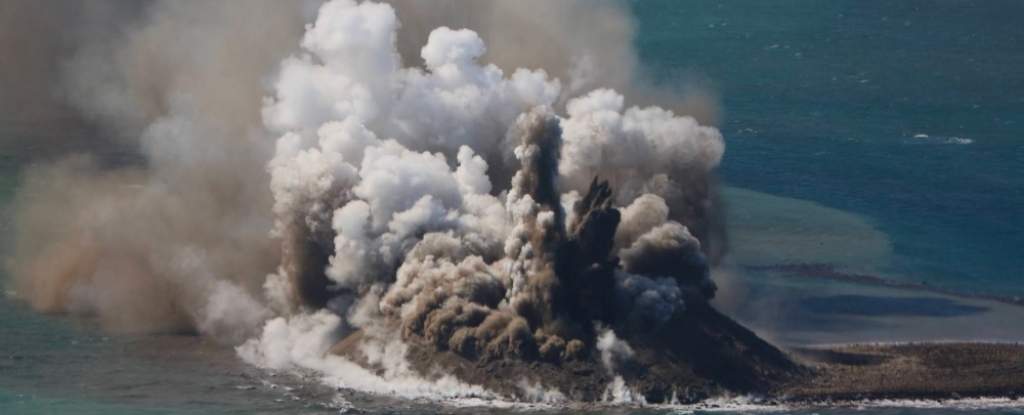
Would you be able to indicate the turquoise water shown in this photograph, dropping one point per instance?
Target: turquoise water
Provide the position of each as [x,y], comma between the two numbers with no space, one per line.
[823,101]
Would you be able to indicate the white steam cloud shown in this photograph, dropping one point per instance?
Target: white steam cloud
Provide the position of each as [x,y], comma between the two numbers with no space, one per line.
[370,200]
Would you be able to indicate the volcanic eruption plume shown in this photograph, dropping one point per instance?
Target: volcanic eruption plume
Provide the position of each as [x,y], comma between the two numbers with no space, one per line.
[423,190]
[390,220]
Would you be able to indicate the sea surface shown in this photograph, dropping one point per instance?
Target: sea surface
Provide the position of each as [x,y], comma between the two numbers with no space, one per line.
[878,137]
[909,113]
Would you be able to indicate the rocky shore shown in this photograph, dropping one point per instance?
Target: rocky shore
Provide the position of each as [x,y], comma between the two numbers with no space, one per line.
[703,355]
[928,371]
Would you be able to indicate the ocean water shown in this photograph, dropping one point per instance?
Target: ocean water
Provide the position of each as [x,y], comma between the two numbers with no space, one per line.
[907,112]
[884,137]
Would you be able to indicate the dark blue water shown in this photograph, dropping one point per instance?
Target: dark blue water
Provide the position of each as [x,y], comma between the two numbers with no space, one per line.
[823,99]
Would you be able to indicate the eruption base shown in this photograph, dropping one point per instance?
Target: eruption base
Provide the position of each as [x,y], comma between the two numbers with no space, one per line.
[699,354]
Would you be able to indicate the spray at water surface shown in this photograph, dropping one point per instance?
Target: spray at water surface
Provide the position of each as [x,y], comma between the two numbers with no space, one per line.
[367,178]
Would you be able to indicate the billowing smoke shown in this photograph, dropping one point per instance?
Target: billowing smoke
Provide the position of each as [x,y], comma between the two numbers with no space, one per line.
[462,177]
[585,43]
[160,222]
[390,217]
[615,352]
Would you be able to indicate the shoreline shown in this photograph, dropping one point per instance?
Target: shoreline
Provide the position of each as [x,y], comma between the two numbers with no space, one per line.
[706,359]
[829,346]
[963,394]
[975,388]
[930,371]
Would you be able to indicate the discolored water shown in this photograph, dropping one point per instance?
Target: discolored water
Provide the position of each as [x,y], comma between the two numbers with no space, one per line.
[885,137]
[907,112]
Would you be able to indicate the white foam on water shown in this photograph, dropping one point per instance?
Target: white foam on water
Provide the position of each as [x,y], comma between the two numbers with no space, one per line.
[960,141]
[958,404]
[301,344]
[939,139]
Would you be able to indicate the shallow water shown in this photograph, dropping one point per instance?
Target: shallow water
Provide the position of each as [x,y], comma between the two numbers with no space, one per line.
[53,364]
[829,101]
[826,105]
[796,310]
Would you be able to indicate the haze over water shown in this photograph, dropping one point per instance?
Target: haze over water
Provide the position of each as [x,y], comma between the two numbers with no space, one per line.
[902,120]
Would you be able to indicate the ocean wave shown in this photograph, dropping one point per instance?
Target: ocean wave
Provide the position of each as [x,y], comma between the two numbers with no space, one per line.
[939,139]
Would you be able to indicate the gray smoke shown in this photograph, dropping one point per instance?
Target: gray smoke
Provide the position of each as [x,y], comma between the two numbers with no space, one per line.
[458,175]
[388,211]
[160,222]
